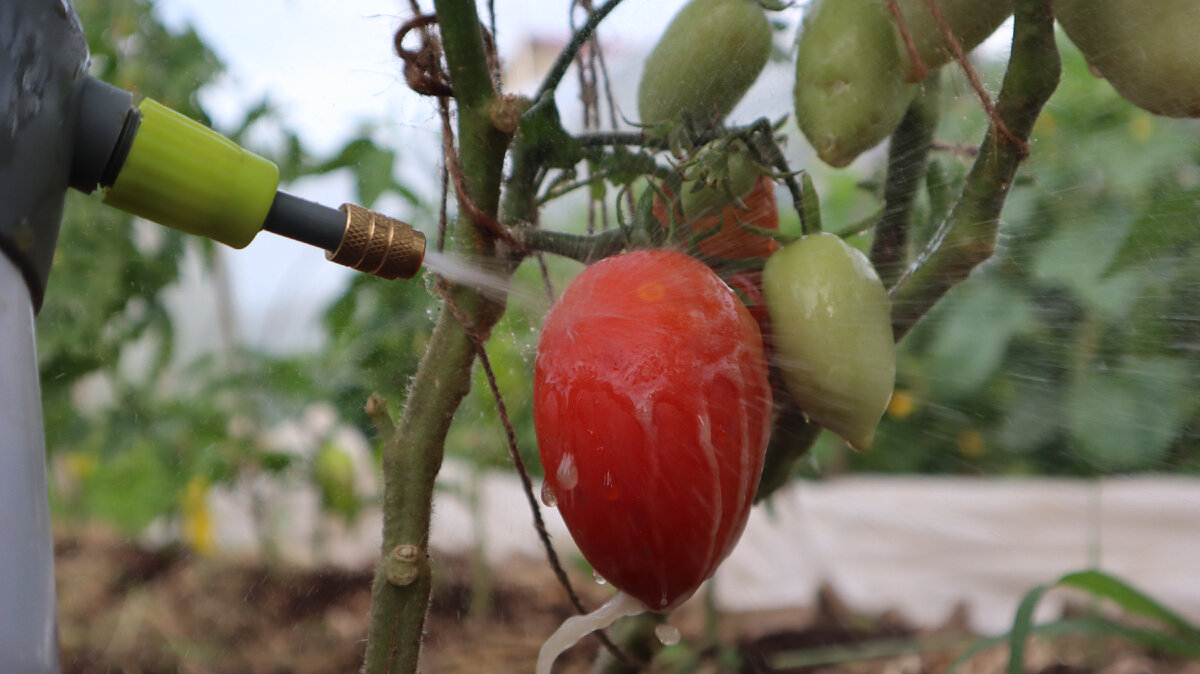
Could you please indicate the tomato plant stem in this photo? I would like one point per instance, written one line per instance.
(968, 236)
(908, 158)
(413, 454)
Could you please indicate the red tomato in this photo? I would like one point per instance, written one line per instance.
(652, 408)
(731, 241)
(748, 285)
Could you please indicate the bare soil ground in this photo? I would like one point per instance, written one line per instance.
(124, 609)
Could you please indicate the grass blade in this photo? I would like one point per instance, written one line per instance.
(1022, 624)
(1186, 643)
(1104, 586)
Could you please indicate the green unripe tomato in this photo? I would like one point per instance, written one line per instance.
(712, 188)
(333, 470)
(832, 334)
(850, 92)
(1148, 51)
(708, 57)
(971, 22)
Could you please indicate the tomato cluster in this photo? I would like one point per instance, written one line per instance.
(653, 398)
(653, 401)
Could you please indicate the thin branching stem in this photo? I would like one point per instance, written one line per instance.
(968, 236)
(567, 57)
(908, 158)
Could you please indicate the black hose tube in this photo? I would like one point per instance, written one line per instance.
(305, 221)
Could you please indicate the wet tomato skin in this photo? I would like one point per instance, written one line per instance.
(652, 407)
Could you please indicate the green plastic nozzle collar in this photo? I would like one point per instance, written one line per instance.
(182, 174)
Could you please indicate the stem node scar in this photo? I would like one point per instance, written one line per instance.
(402, 566)
(504, 112)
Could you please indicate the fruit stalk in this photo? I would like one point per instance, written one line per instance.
(968, 236)
(413, 454)
(908, 158)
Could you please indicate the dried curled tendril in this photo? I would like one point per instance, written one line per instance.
(423, 68)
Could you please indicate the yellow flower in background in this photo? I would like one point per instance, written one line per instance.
(901, 405)
(197, 521)
(970, 443)
(80, 465)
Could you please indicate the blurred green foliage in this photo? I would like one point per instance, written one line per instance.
(1075, 351)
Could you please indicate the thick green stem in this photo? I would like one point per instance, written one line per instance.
(968, 236)
(413, 455)
(908, 157)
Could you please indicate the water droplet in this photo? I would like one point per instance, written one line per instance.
(611, 492)
(668, 635)
(599, 579)
(568, 474)
(548, 498)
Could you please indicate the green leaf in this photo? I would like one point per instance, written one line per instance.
(372, 167)
(976, 323)
(941, 193)
(543, 135)
(1032, 417)
(1126, 417)
(1079, 252)
(1167, 227)
(1152, 640)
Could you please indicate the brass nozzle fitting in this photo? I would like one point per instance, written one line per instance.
(376, 244)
